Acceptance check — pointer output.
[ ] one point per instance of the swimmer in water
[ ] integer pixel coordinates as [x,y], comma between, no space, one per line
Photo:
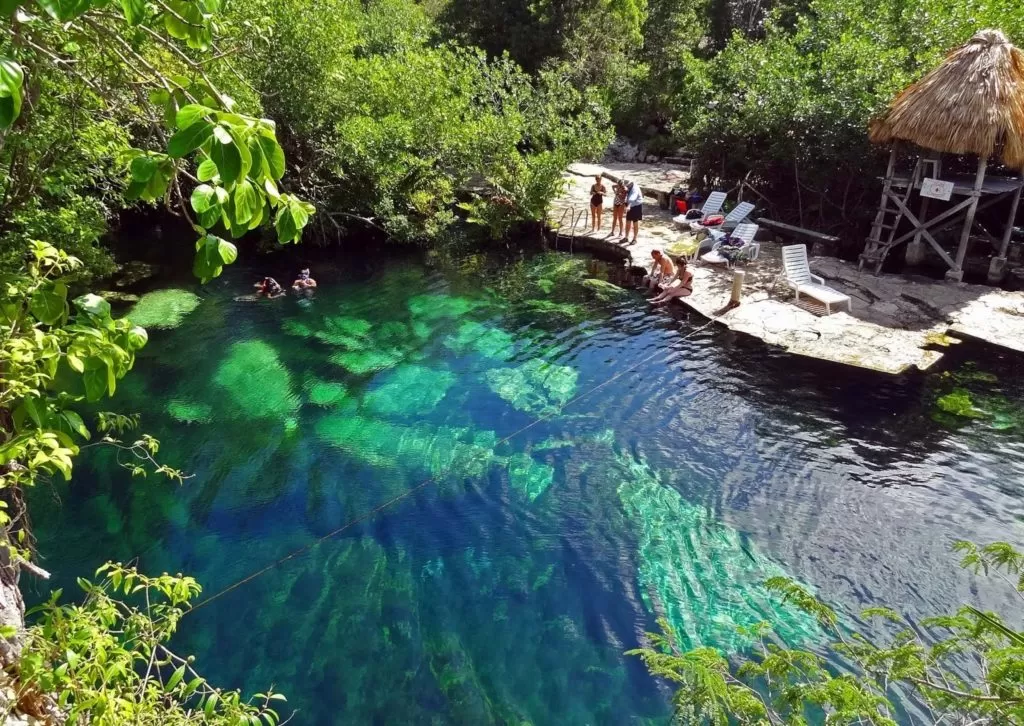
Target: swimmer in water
[304,281]
[269,287]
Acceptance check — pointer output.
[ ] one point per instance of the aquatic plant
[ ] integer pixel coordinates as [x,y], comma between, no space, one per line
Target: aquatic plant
[409,389]
[345,331]
[363,362]
[435,307]
[958,403]
[536,387]
[256,382]
[604,290]
[486,340]
[528,476]
[188,411]
[163,308]
[701,574]
[441,451]
[325,393]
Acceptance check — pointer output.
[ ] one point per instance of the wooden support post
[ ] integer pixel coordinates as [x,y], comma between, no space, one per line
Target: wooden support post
[1008,232]
[956,274]
[737,287]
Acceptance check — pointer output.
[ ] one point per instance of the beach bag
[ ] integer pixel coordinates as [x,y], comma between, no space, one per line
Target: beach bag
[713,220]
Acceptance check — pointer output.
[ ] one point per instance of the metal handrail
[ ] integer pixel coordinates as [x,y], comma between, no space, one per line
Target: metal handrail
[576,223]
[561,223]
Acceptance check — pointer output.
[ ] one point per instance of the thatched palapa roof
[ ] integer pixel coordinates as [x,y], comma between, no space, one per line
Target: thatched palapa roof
[972,103]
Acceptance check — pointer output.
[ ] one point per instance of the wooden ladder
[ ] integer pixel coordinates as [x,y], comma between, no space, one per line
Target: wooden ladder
[889,215]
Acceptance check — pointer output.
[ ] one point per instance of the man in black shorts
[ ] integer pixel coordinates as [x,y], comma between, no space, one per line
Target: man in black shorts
[635,208]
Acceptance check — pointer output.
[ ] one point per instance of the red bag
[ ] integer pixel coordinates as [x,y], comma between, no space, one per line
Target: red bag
[713,220]
[681,206]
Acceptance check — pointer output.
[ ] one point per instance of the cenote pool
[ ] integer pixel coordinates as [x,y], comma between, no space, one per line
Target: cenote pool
[578,467]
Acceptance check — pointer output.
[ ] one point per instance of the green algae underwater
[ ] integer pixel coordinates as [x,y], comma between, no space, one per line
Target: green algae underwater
[538,543]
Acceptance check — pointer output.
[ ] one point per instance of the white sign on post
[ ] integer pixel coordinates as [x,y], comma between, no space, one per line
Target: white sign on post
[937,189]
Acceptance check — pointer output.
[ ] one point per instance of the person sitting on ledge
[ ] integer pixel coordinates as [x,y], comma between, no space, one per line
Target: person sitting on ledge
[269,286]
[305,282]
[661,269]
[671,290]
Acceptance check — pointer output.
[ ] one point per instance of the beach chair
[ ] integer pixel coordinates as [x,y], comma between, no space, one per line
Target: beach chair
[798,276]
[732,220]
[712,205]
[747,253]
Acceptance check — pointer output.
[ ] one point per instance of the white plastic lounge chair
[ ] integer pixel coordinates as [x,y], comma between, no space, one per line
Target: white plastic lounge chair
[748,252]
[732,220]
[712,205]
[799,277]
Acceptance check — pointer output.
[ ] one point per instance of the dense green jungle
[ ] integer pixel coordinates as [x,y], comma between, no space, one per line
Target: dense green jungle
[467,480]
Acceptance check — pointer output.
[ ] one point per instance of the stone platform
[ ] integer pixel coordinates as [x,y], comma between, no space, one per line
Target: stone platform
[897,323]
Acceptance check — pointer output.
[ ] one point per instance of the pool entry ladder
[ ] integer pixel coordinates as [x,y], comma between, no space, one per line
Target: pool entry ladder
[575,219]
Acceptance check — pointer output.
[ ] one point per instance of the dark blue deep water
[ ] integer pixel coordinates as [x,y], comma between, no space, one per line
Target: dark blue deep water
[562,467]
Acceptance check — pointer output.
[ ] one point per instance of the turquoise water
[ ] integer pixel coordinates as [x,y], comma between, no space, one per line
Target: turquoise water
[559,467]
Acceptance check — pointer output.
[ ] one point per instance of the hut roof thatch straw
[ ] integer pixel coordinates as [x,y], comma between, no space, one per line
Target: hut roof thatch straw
[972,103]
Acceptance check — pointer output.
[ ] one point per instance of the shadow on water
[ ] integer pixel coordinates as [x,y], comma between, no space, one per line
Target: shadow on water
[577,467]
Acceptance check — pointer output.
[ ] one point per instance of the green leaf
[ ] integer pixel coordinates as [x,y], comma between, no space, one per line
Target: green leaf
[93,305]
[134,11]
[76,423]
[228,161]
[227,252]
[142,168]
[190,114]
[222,135]
[189,139]
[11,78]
[207,170]
[211,704]
[49,302]
[212,253]
[95,380]
[33,412]
[273,157]
[247,202]
[75,362]
[64,9]
[137,337]
[284,224]
[175,678]
[7,7]
[203,198]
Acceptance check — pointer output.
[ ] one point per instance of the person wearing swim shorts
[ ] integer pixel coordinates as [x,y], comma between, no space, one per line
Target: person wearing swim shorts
[661,270]
[635,209]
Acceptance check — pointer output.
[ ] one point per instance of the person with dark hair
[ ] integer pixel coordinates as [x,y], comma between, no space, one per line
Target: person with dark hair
[597,192]
[618,208]
[304,281]
[269,288]
[669,289]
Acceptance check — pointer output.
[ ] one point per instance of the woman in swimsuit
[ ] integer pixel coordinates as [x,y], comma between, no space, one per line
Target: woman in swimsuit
[597,192]
[670,290]
[619,208]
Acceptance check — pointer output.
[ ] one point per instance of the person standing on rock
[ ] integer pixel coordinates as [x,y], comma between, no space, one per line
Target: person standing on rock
[597,192]
[619,209]
[635,209]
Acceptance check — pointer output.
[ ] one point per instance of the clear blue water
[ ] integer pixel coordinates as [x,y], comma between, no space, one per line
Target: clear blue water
[577,465]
